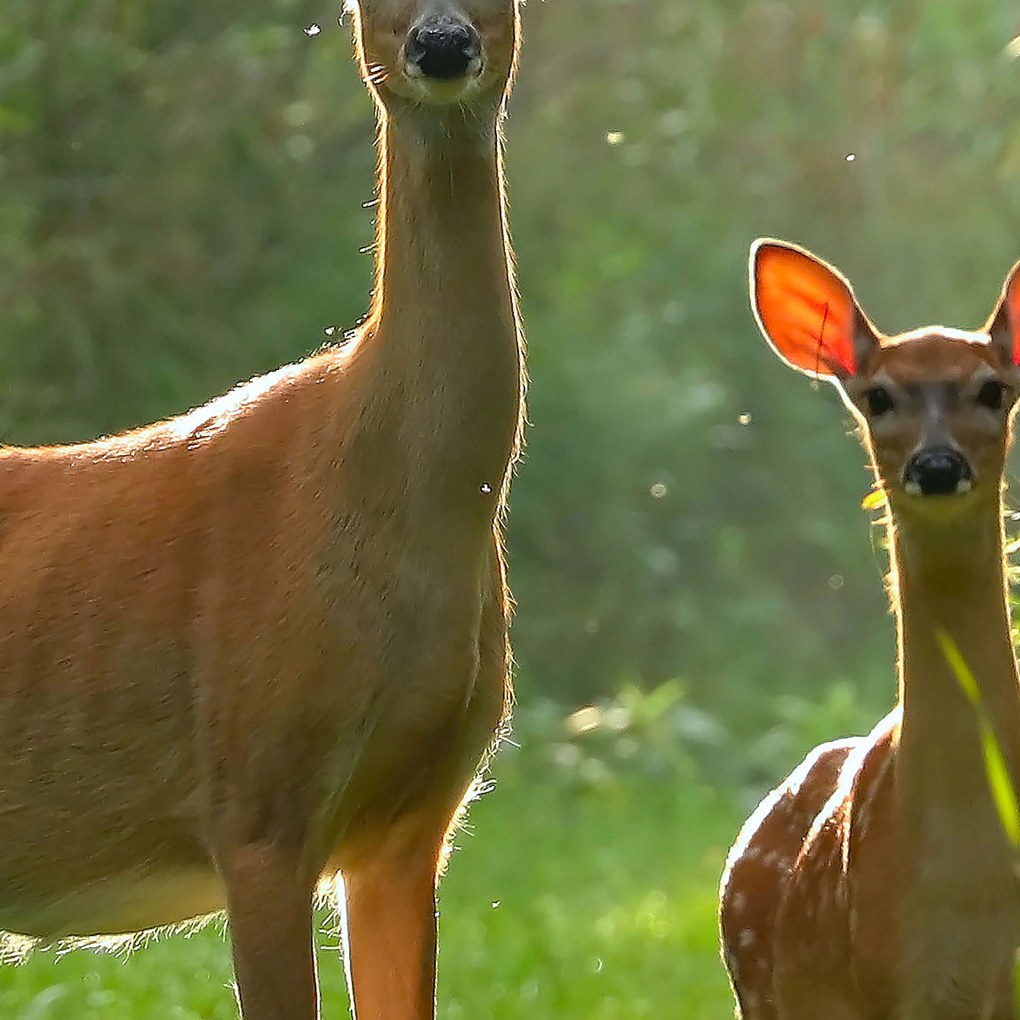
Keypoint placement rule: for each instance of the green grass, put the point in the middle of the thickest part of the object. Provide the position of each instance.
(560, 902)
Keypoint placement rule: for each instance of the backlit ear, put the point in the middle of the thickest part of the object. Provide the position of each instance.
(807, 311)
(1004, 325)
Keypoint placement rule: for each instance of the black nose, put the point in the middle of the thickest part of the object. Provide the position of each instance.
(442, 50)
(938, 471)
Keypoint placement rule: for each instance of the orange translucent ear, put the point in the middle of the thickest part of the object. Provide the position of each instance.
(1004, 325)
(807, 312)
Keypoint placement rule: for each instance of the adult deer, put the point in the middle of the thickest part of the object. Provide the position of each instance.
(250, 648)
(877, 881)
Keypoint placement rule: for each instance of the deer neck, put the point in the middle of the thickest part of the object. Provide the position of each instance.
(952, 577)
(443, 333)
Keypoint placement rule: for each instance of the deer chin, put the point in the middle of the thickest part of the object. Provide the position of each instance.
(413, 85)
(909, 501)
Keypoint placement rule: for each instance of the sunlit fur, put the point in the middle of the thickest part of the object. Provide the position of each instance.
(876, 882)
(260, 644)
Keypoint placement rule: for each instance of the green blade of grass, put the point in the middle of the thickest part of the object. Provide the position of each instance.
(999, 781)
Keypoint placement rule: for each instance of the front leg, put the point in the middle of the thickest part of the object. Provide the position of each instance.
(390, 930)
(269, 907)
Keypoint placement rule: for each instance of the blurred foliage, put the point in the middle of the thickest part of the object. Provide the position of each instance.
(181, 206)
(661, 737)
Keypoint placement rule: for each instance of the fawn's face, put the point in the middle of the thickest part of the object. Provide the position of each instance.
(935, 404)
(437, 52)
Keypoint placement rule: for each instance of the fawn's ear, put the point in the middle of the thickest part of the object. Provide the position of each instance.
(807, 311)
(1004, 325)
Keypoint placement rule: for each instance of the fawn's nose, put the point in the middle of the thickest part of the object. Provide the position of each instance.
(442, 50)
(938, 471)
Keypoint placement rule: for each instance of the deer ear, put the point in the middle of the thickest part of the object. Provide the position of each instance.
(1004, 325)
(807, 311)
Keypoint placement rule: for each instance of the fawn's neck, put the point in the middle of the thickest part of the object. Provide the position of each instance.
(443, 330)
(952, 577)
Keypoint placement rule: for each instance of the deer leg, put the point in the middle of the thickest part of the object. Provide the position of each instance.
(390, 931)
(269, 908)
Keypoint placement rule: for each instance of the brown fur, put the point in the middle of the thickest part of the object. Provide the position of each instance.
(265, 642)
(877, 883)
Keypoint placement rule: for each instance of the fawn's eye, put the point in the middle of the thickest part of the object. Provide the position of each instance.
(992, 395)
(878, 400)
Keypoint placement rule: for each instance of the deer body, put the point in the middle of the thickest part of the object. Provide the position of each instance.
(878, 882)
(264, 643)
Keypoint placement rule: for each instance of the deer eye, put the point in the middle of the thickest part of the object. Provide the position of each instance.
(879, 401)
(992, 395)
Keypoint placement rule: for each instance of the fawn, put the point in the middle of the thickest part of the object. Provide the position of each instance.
(877, 881)
(264, 644)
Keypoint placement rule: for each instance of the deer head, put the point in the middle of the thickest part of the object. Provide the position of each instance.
(437, 53)
(935, 404)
